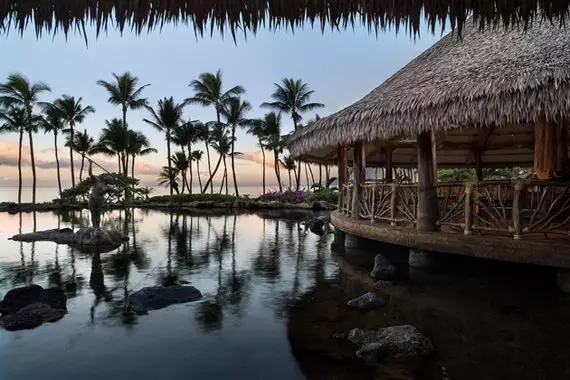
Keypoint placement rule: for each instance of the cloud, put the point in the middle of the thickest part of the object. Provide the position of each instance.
(257, 157)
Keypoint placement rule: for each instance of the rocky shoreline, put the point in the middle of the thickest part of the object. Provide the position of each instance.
(236, 205)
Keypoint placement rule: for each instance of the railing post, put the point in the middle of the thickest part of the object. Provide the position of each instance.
(519, 186)
(393, 201)
(468, 208)
(372, 207)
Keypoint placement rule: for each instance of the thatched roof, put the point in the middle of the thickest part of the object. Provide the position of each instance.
(489, 78)
(236, 15)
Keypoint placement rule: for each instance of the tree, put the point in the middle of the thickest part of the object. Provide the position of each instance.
(181, 164)
(272, 123)
(166, 118)
(289, 164)
(221, 143)
(124, 92)
(14, 121)
(82, 144)
(168, 177)
(257, 129)
(294, 97)
(72, 113)
(18, 92)
(184, 136)
(137, 145)
(114, 141)
(52, 122)
(234, 111)
(205, 136)
(197, 156)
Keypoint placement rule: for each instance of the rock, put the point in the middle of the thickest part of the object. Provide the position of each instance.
(158, 297)
(19, 298)
(91, 236)
(366, 301)
(31, 316)
(396, 342)
(383, 269)
(423, 260)
(59, 236)
(323, 205)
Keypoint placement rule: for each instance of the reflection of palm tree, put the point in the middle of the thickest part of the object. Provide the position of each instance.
(97, 284)
(269, 266)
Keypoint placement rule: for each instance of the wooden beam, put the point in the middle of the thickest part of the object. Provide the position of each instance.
(389, 165)
(357, 178)
(427, 195)
(434, 153)
(561, 148)
(341, 155)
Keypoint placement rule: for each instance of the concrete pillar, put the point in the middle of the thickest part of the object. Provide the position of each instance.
(423, 260)
(356, 242)
(339, 239)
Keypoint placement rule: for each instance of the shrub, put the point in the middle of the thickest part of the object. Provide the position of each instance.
(328, 195)
(288, 196)
(184, 198)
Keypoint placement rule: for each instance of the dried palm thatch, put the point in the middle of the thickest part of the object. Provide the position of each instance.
(486, 78)
(224, 15)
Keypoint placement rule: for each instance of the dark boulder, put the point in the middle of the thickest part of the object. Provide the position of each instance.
(366, 301)
(31, 316)
(383, 269)
(158, 297)
(19, 298)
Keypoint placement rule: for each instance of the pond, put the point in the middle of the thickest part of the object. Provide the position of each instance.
(273, 297)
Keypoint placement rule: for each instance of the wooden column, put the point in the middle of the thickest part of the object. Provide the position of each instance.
(427, 195)
(478, 165)
(434, 153)
(341, 156)
(561, 148)
(389, 178)
(358, 177)
(545, 148)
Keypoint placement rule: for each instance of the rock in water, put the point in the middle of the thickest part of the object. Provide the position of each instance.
(158, 297)
(383, 269)
(31, 316)
(396, 342)
(91, 236)
(19, 298)
(366, 301)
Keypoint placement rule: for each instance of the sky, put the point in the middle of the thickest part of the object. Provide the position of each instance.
(341, 67)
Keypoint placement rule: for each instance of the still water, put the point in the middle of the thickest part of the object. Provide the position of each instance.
(273, 297)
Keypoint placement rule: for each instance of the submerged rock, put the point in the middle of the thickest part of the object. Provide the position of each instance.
(91, 236)
(30, 306)
(158, 297)
(316, 225)
(396, 342)
(366, 301)
(383, 269)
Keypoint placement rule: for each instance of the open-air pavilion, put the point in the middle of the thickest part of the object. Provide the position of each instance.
(491, 98)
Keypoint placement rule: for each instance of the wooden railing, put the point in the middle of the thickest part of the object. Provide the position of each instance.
(515, 208)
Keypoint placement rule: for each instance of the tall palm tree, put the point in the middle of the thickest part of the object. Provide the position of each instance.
(181, 164)
(73, 113)
(124, 92)
(197, 156)
(114, 141)
(53, 122)
(168, 177)
(14, 121)
(138, 145)
(82, 144)
(18, 92)
(234, 112)
(289, 164)
(221, 143)
(272, 122)
(166, 118)
(206, 137)
(294, 97)
(257, 129)
(184, 136)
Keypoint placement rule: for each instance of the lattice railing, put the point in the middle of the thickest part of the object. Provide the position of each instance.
(451, 202)
(346, 199)
(490, 208)
(545, 208)
(393, 203)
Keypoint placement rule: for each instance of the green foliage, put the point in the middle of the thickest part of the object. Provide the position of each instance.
(459, 175)
(327, 195)
(116, 181)
(185, 198)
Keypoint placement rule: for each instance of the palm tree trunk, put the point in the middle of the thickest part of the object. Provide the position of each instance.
(320, 175)
(133, 167)
(311, 174)
(183, 173)
(276, 166)
(57, 161)
(209, 169)
(72, 128)
(33, 166)
(327, 175)
(289, 170)
(119, 162)
(225, 175)
(20, 167)
(233, 163)
(198, 172)
(212, 176)
(169, 158)
(190, 168)
(263, 166)
(222, 184)
(82, 164)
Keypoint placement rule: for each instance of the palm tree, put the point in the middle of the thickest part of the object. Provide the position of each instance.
(205, 136)
(53, 122)
(221, 142)
(14, 121)
(168, 177)
(124, 92)
(73, 113)
(234, 112)
(257, 129)
(289, 164)
(82, 144)
(114, 141)
(138, 145)
(18, 92)
(272, 123)
(184, 136)
(181, 164)
(166, 118)
(294, 97)
(197, 156)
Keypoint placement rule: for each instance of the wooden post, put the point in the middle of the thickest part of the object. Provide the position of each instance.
(357, 179)
(341, 156)
(393, 204)
(519, 186)
(389, 166)
(561, 148)
(434, 153)
(427, 194)
(545, 148)
(468, 208)
(478, 165)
